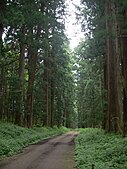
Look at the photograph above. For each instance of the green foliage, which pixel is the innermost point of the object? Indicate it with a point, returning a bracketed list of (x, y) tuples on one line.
[(40, 25), (90, 56), (13, 138), (89, 85), (104, 151)]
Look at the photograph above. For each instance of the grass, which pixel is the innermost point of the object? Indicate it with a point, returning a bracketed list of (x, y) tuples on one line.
[(13, 138), (100, 150)]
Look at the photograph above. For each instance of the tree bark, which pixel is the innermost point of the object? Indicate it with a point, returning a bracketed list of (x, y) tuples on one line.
[(113, 103), (46, 80), (105, 88), (124, 71), (18, 117), (49, 94), (1, 68), (45, 93), (1, 92), (32, 65), (31, 73), (52, 101)]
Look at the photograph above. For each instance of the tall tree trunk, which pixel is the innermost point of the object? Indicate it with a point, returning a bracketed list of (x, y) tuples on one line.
[(1, 92), (32, 65), (2, 8), (45, 93), (31, 73), (46, 80), (49, 93), (113, 103), (18, 117), (52, 101), (124, 70), (2, 3), (105, 88)]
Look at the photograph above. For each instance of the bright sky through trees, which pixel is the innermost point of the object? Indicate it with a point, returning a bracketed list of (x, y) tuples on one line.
[(72, 29)]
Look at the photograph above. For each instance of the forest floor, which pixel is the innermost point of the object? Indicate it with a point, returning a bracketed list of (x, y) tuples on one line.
[(55, 153), (99, 150)]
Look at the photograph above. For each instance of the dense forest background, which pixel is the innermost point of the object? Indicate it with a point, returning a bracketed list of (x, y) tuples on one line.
[(42, 82), (36, 80)]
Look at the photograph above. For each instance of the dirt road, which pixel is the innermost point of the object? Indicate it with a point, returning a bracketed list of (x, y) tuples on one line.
[(56, 153)]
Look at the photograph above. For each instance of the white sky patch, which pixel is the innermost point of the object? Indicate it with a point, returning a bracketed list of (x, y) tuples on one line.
[(73, 30)]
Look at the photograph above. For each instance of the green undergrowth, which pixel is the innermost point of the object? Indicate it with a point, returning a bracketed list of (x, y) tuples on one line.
[(97, 150), (13, 138)]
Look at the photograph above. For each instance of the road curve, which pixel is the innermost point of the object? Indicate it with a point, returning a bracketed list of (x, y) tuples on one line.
[(55, 153)]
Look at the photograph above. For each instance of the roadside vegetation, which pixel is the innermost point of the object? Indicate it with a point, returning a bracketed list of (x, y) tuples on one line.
[(42, 81), (13, 138), (97, 150)]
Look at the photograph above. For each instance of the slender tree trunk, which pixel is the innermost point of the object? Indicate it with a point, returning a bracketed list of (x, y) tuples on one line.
[(32, 65), (31, 72), (105, 88), (1, 33), (1, 92), (45, 93), (2, 8), (52, 101), (1, 71), (31, 77), (1, 68), (49, 93), (124, 72), (18, 117)]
